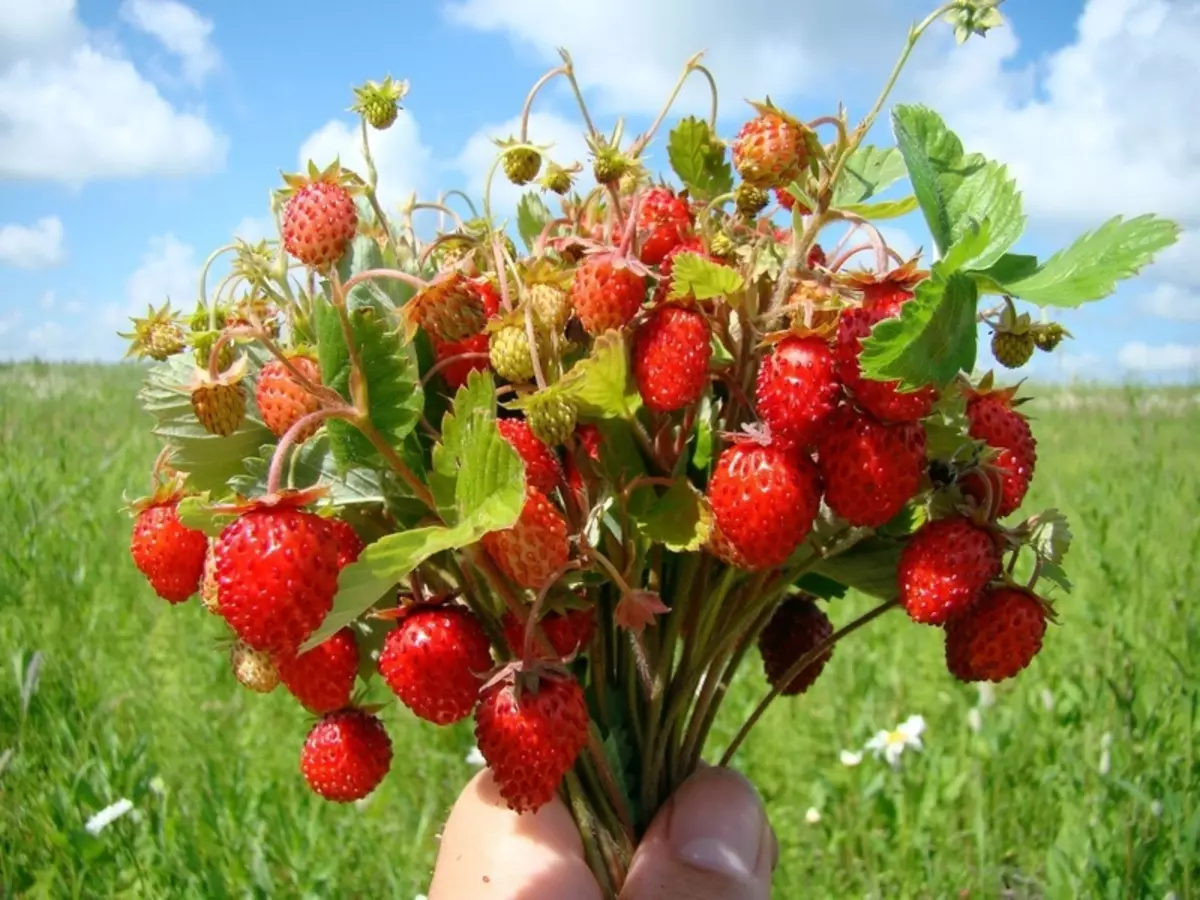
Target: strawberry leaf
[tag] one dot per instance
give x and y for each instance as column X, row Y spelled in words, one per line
column 698, row 158
column 1051, row 536
column 692, row 275
column 532, row 216
column 868, row 171
column 1008, row 268
column 600, row 384
column 678, row 520
column 884, row 209
column 1091, row 267
column 310, row 464
column 933, row 338
column 956, row 189
column 868, row 567
column 195, row 511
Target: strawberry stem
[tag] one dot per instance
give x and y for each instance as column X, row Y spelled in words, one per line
column 212, row 258
column 533, row 92
column 275, row 473
column 569, row 72
column 690, row 66
column 394, row 274
column 441, row 209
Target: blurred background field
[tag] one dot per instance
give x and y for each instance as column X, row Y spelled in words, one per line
column 1078, row 780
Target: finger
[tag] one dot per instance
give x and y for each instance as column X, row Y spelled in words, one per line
column 710, row 842
column 490, row 853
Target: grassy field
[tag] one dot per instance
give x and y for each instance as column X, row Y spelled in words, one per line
column 1081, row 779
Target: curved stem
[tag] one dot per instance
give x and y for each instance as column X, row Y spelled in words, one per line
column 640, row 144
column 455, row 192
column 395, row 274
column 159, row 461
column 212, row 258
column 539, row 246
column 533, row 92
column 440, row 208
column 487, row 190
column 275, row 473
column 531, row 625
column 712, row 87
column 497, row 249
column 443, row 363
column 569, row 67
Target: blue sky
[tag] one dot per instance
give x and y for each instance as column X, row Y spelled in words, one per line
column 137, row 135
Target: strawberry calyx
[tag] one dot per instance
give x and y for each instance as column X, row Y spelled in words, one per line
column 288, row 498
column 331, row 174
column 526, row 675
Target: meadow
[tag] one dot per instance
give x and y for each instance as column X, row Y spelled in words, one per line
column 1080, row 779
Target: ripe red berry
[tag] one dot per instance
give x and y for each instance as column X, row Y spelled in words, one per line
column 282, row 400
column 882, row 399
column 994, row 421
column 323, row 678
column 542, row 467
column 568, row 632
column 345, row 538
column 996, row 638
column 764, row 500
column 346, row 755
column 945, row 567
column 870, row 469
column 531, row 734
column 435, row 660
column 535, row 546
column 606, row 293
column 455, row 373
column 769, row 151
column 276, row 574
column 797, row 389
column 319, row 222
column 671, row 352
column 797, row 627
column 663, row 219
column 167, row 552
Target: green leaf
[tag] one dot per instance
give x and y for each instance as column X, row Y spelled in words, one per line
column 821, row 586
column 973, row 242
column 366, row 254
column 532, row 216
column 884, row 209
column 308, row 465
column 693, row 275
column 705, row 437
column 698, row 158
column 679, row 519
column 195, row 511
column 1051, row 536
column 394, row 395
column 956, row 189
column 1009, row 267
column 869, row 567
column 600, row 384
column 477, row 477
column 868, row 171
column 207, row 460
column 1056, row 575
column 1091, row 267
column 931, row 341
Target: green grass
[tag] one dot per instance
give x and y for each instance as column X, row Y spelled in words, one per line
column 135, row 700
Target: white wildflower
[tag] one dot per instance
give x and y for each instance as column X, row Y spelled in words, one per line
column 1047, row 700
column 813, row 816
column 892, row 744
column 850, row 758
column 107, row 816
column 1105, row 755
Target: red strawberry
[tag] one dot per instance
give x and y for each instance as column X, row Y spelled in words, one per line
column 323, row 678
column 769, row 150
column 870, row 469
column 435, row 660
column 945, row 567
column 664, row 218
column 797, row 627
column 994, row 421
column 535, row 546
column 166, row 551
column 882, row 399
column 531, row 732
column 345, row 538
column 346, row 755
column 589, row 438
column 764, row 500
column 662, row 293
column 606, row 292
column 542, row 468
column 671, row 352
column 797, row 389
column 319, row 222
column 784, row 198
column 282, row 400
column 996, row 638
column 455, row 374
column 568, row 632
column 276, row 573
column 816, row 257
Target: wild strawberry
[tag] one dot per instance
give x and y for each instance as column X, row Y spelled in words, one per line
column 769, row 150
column 320, row 219
column 435, row 660
column 1012, row 350
column 882, row 399
column 535, row 546
column 252, row 669
column 998, row 637
column 510, row 354
column 346, row 755
column 1049, row 336
column 816, row 257
column 871, row 469
column 798, row 627
column 276, row 575
column 455, row 373
column 522, row 164
column 994, row 421
column 589, row 439
column 345, row 538
column 764, row 500
column 282, row 400
column 664, row 219
column 718, row 545
column 166, row 551
column 208, row 581
column 785, row 199
column 531, row 732
column 750, row 200
column 158, row 336
column 797, row 389
column 670, row 354
column 542, row 468
column 323, row 678
column 379, row 103
column 662, row 293
column 568, row 632
column 606, row 292
column 944, row 568
column 450, row 308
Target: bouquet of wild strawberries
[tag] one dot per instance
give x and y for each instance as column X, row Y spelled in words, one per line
column 565, row 491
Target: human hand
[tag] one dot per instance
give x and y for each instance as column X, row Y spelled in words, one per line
column 711, row 841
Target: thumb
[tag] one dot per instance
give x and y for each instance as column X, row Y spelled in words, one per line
column 490, row 852
column 710, row 842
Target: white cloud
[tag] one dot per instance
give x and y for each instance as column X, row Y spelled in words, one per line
column 72, row 109
column 1140, row 357
column 36, row 246
column 402, row 162
column 184, row 32
column 169, row 269
column 253, row 229
column 1172, row 302
column 479, row 153
column 47, row 300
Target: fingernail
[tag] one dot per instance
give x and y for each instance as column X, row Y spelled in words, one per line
column 717, row 824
